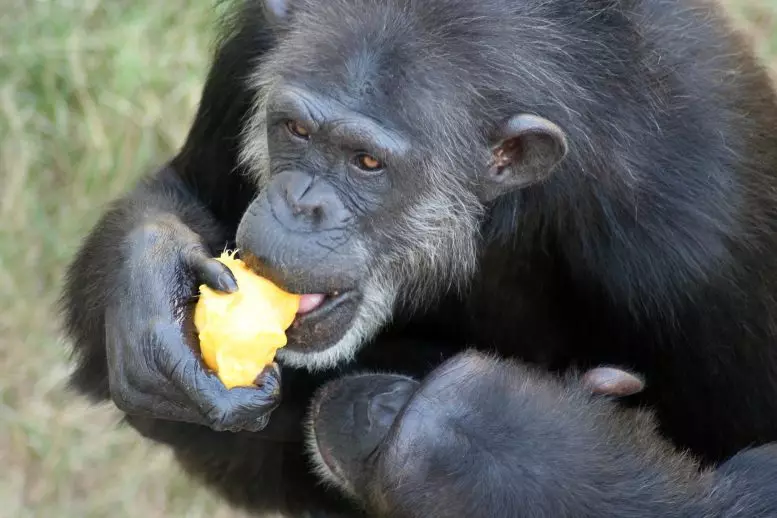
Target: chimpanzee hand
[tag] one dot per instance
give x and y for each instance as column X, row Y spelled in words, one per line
column 477, row 437
column 153, row 360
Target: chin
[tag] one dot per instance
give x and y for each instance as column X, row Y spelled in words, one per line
column 333, row 332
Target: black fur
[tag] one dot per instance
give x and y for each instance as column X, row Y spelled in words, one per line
column 652, row 246
column 482, row 437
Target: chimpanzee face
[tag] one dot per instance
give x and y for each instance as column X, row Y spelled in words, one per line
column 373, row 177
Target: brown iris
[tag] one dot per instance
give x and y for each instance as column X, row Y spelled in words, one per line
column 368, row 162
column 297, row 129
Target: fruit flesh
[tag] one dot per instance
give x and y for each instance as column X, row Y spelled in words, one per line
column 240, row 332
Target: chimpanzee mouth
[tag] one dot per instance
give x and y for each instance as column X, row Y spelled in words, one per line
column 322, row 320
column 314, row 306
column 322, row 317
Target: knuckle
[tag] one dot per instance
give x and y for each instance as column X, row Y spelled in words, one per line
column 124, row 399
column 145, row 378
column 221, row 419
column 274, row 397
column 232, row 416
column 193, row 253
column 269, row 380
column 155, row 359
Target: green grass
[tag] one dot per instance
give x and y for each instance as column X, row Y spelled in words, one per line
column 93, row 94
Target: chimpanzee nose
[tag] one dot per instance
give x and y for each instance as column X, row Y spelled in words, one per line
column 302, row 202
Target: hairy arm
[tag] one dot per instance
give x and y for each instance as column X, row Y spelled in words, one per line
column 160, row 203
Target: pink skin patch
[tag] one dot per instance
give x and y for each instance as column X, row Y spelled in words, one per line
column 309, row 302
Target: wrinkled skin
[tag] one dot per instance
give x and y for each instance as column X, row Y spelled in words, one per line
column 183, row 388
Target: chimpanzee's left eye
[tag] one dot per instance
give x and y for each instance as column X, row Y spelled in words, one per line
column 368, row 162
column 297, row 129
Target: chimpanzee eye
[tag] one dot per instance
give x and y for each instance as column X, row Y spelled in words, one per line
column 368, row 162
column 297, row 129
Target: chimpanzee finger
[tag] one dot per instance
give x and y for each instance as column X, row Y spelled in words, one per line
column 208, row 270
column 239, row 408
column 160, row 405
column 611, row 381
column 136, row 385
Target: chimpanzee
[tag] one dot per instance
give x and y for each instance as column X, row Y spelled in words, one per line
column 538, row 446
column 572, row 183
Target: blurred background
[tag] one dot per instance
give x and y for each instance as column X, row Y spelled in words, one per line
column 92, row 95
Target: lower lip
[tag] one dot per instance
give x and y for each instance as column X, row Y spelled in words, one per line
column 328, row 304
column 308, row 303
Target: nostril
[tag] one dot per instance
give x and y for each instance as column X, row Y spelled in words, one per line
column 318, row 213
column 314, row 212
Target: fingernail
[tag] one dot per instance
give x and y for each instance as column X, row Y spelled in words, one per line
column 227, row 283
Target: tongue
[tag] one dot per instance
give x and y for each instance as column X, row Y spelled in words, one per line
column 309, row 302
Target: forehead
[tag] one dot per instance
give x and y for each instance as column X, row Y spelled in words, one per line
column 381, row 59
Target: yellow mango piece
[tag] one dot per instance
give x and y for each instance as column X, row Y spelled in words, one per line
column 241, row 332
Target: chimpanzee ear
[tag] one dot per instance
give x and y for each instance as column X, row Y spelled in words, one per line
column 276, row 10
column 529, row 148
column 609, row 381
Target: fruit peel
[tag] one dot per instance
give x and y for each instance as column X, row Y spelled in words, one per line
column 241, row 332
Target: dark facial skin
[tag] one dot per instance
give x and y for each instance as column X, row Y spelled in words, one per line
column 331, row 170
column 304, row 229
